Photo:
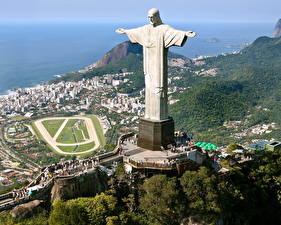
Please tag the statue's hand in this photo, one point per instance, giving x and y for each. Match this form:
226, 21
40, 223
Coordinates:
190, 34
120, 31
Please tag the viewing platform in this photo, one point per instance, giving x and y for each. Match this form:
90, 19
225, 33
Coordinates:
174, 161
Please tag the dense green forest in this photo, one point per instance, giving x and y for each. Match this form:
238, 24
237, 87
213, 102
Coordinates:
249, 194
246, 88
212, 103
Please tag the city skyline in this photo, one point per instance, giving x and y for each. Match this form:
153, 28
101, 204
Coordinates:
126, 10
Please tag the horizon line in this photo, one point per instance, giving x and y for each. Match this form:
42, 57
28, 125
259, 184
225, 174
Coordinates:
124, 21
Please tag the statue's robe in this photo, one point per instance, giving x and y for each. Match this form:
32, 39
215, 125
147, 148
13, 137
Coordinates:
155, 41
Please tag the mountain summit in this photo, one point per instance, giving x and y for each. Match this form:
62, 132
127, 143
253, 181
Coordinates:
118, 52
277, 30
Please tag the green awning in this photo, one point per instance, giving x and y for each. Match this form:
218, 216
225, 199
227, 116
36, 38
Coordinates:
206, 145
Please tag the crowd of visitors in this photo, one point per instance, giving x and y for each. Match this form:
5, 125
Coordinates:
66, 168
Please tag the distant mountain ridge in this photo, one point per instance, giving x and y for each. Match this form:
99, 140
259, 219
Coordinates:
277, 30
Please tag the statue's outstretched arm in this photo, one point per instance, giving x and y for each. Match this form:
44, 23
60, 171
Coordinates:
190, 34
120, 31
135, 35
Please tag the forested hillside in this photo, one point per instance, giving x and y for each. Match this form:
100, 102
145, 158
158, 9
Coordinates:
212, 103
246, 89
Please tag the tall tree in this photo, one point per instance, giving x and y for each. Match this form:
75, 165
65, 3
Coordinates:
84, 210
161, 201
71, 212
202, 194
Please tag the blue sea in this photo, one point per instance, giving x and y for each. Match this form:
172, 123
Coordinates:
33, 53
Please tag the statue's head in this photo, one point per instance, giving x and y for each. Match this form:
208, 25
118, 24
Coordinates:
154, 17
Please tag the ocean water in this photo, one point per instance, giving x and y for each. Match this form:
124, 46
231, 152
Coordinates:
33, 53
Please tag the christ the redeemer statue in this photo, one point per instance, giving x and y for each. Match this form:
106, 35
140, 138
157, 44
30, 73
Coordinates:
156, 130
156, 38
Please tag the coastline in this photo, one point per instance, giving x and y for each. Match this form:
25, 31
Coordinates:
13, 91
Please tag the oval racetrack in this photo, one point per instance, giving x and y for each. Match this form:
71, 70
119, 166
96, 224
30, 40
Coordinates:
52, 140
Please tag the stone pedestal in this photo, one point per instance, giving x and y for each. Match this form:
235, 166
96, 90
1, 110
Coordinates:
153, 134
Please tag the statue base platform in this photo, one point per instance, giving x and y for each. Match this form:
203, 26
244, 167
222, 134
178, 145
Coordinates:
156, 133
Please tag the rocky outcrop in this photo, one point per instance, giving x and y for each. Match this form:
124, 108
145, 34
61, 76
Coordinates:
118, 52
277, 30
25, 210
83, 185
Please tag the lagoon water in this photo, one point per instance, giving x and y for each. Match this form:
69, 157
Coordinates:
34, 53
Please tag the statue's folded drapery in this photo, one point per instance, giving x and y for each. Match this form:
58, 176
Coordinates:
155, 41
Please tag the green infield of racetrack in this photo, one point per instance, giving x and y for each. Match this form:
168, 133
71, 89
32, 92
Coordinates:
81, 148
66, 148
83, 127
86, 147
52, 126
66, 135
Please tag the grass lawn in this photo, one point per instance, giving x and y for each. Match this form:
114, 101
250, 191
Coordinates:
18, 118
52, 126
85, 147
81, 148
98, 130
66, 135
78, 134
66, 148
83, 127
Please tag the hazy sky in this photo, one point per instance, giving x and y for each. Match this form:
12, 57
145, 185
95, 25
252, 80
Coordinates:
132, 10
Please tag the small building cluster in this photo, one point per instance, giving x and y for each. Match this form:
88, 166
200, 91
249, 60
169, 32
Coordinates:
70, 96
123, 103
